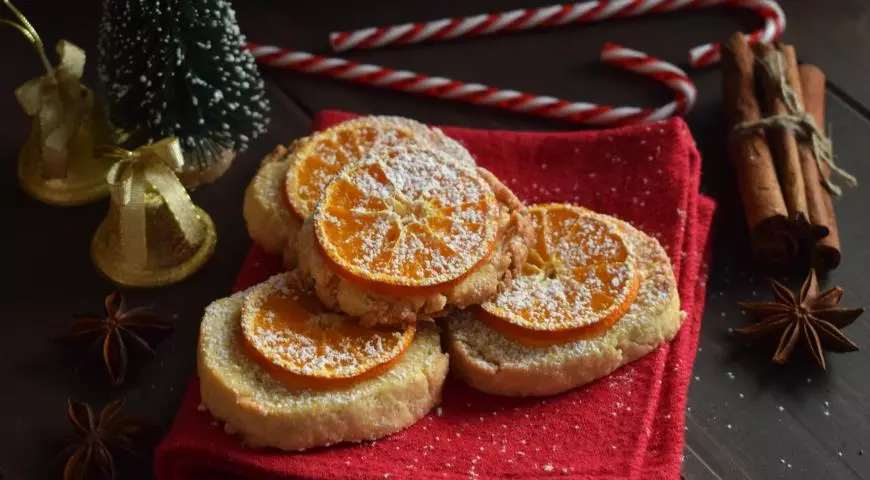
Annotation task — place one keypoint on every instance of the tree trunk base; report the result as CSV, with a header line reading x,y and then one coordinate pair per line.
x,y
195,177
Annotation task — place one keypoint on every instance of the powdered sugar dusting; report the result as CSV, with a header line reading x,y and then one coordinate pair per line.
x,y
320,157
286,324
579,271
657,289
407,215
222,350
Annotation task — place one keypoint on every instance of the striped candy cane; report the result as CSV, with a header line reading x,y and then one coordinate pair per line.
x,y
475,93
554,15
652,67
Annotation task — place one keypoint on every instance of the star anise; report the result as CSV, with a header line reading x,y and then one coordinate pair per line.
x,y
112,331
812,315
91,449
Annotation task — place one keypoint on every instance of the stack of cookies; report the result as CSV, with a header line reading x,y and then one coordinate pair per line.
x,y
391,235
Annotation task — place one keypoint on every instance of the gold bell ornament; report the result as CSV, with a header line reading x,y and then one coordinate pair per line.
x,y
153,234
58,164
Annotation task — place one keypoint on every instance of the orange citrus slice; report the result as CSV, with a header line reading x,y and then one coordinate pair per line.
x,y
409,217
580,277
320,157
289,332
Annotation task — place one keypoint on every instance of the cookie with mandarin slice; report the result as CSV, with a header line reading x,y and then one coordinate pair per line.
x,y
283,371
594,294
409,234
291,180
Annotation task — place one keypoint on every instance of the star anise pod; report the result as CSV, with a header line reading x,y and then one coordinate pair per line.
x,y
95,441
112,331
811,315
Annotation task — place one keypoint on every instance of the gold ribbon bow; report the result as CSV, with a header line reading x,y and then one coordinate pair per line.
x,y
58,102
129,180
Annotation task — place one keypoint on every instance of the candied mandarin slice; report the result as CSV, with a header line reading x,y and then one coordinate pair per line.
x,y
580,277
290,333
324,154
408,218
319,157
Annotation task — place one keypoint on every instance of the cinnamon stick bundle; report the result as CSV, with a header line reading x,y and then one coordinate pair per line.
x,y
760,191
782,183
825,246
782,141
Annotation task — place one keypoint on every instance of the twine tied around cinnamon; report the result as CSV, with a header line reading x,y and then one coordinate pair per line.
x,y
149,167
798,122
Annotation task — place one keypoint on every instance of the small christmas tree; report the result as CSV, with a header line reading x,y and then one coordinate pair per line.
x,y
178,68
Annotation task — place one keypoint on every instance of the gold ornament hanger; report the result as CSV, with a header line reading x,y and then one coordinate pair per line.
x,y
57,164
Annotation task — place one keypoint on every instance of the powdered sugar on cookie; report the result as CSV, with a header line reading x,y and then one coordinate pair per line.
x,y
579,272
321,156
289,328
407,216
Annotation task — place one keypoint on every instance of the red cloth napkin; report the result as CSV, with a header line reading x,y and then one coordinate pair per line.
x,y
626,425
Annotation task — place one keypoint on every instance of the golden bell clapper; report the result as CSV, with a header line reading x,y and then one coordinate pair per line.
x,y
58,164
153,234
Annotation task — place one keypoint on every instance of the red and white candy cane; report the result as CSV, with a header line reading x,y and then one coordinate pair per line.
x,y
475,93
554,15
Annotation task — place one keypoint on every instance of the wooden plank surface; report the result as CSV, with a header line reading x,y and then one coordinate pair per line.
x,y
747,418
836,37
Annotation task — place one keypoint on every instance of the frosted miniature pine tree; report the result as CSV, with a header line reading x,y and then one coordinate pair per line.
x,y
178,68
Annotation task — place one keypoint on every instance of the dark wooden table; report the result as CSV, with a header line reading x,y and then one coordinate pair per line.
x,y
746,417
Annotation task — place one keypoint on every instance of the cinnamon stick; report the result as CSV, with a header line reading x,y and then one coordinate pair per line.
x,y
825,251
782,141
760,193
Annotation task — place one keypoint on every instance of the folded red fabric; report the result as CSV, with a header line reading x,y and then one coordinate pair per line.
x,y
626,425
